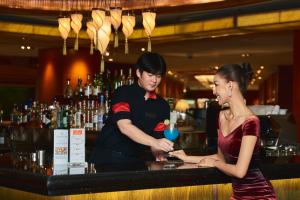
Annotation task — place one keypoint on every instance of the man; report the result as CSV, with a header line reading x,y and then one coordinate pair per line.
x,y
137,118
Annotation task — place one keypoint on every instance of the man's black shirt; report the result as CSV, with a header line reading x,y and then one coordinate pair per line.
x,y
149,115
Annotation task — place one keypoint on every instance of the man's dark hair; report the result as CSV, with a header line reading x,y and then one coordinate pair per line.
x,y
152,63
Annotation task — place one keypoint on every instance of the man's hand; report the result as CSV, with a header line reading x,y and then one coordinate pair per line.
x,y
162,145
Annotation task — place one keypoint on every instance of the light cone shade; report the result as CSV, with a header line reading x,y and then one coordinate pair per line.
x,y
98,16
76,22
64,26
116,16
91,30
128,22
104,35
149,22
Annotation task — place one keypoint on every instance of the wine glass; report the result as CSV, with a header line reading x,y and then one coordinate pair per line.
x,y
172,133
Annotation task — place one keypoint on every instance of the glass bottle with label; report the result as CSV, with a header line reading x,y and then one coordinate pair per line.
x,y
130,79
88,87
122,78
79,93
68,93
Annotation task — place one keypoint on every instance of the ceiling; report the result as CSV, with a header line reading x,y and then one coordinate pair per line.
x,y
187,54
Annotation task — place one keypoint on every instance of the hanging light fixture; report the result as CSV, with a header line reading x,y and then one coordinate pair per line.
x,y
64,28
91,31
76,26
149,23
116,17
103,36
128,23
98,16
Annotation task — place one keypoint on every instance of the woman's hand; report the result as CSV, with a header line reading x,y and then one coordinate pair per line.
x,y
207,162
158,154
179,154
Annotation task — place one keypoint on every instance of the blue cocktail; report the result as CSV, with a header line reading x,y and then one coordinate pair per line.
x,y
171,133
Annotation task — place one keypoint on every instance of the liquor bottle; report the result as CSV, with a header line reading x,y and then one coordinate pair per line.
x,y
88,116
79,123
95,117
130,79
107,84
100,84
14,117
96,86
24,115
1,116
46,116
101,112
79,90
122,78
65,117
35,119
116,80
88,87
68,93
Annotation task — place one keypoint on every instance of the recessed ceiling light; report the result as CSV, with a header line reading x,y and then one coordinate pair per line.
x,y
28,47
216,67
107,53
262,67
143,49
110,59
259,77
258,71
22,47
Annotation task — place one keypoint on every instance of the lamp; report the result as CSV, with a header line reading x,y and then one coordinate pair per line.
x,y
128,22
91,31
205,80
149,25
181,106
116,17
64,28
76,26
98,16
103,36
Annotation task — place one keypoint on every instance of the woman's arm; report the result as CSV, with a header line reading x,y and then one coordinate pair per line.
x,y
240,169
127,128
196,159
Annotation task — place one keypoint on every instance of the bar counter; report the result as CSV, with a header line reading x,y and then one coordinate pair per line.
x,y
166,180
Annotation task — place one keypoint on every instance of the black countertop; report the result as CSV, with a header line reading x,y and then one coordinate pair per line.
x,y
135,176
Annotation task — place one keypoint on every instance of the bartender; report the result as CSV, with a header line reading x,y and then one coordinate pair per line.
x,y
137,118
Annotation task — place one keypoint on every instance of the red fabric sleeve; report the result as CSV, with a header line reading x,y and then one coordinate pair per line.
x,y
121,107
251,127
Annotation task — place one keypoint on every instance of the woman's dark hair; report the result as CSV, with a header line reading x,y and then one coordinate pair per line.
x,y
152,63
242,74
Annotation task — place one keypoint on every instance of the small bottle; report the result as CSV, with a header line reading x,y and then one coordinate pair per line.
x,y
1,116
122,78
130,79
88,87
79,93
68,93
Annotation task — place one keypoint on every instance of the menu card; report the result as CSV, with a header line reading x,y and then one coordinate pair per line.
x,y
77,146
60,147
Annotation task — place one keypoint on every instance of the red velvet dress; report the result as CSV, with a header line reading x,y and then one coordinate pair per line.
x,y
253,185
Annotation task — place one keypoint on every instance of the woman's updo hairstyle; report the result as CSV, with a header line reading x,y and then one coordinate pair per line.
x,y
242,74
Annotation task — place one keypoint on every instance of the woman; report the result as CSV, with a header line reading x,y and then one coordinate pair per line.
x,y
238,137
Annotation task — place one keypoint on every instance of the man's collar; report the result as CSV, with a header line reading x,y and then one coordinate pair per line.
x,y
142,91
